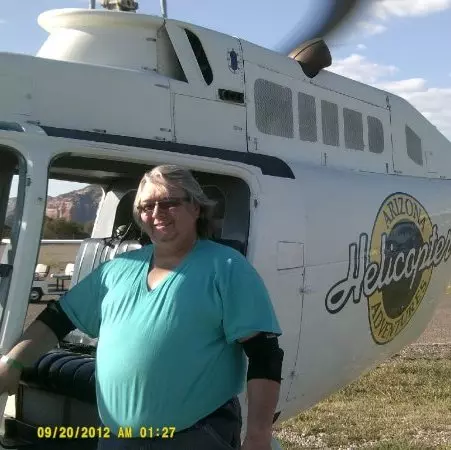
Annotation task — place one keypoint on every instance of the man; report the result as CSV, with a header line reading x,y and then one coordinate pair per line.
x,y
175,320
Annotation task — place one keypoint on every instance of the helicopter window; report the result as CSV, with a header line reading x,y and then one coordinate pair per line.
x,y
307,118
375,135
273,108
414,149
214,193
201,57
329,114
353,124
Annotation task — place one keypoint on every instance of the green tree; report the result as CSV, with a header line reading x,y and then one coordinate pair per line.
x,y
88,226
63,229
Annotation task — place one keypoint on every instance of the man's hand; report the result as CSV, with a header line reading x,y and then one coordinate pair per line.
x,y
262,401
9,379
258,439
256,443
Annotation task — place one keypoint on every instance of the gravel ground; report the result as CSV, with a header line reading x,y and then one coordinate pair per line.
x,y
439,329
425,350
435,342
433,440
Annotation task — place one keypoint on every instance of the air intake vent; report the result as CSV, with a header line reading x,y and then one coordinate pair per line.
x,y
273,108
231,96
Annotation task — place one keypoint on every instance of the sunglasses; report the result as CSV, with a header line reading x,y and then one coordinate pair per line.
x,y
149,206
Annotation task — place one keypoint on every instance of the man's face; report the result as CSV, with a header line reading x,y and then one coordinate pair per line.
x,y
167,214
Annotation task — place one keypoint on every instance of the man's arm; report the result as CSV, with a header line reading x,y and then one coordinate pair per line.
x,y
77,308
263,396
263,385
42,335
37,339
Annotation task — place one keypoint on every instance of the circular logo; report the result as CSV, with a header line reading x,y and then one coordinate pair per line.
x,y
393,267
400,266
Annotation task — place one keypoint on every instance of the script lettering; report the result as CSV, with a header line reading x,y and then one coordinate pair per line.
x,y
367,278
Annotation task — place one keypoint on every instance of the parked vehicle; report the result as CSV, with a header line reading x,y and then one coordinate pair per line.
x,y
43,286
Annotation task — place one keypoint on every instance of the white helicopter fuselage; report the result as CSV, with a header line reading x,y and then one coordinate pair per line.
x,y
335,169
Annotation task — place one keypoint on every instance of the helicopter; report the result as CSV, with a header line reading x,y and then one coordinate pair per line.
x,y
336,192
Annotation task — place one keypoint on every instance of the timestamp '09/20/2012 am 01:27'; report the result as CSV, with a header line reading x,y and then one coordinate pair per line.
x,y
63,432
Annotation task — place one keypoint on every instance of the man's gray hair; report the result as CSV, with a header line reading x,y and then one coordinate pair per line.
x,y
173,176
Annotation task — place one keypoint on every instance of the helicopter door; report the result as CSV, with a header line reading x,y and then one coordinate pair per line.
x,y
12,188
279,257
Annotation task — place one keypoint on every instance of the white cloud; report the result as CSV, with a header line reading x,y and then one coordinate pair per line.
x,y
434,103
371,28
360,69
364,47
404,86
383,9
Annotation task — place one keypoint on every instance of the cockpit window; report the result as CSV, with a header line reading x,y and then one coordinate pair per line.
x,y
201,57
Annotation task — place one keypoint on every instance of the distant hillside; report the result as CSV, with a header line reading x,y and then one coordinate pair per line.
x,y
77,206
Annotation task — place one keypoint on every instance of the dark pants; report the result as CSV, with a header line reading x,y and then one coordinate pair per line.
x,y
220,430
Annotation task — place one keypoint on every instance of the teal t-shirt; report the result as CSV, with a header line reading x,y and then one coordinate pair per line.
x,y
169,356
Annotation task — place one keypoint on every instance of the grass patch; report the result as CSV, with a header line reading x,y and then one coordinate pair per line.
x,y
403,404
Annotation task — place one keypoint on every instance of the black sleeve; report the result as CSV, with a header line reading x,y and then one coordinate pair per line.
x,y
265,357
56,319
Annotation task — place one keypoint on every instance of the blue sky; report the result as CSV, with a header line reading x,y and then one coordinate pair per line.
x,y
398,45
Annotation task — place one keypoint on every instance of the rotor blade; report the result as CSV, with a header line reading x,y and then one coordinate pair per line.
x,y
332,15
